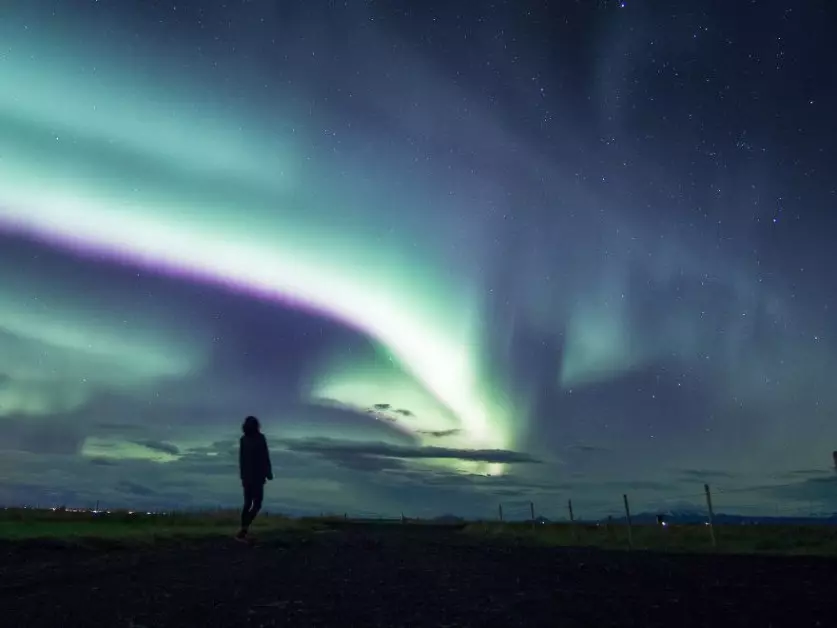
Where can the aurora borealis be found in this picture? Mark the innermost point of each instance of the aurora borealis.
(449, 255)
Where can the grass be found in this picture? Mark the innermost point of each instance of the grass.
(134, 528)
(732, 539)
(123, 528)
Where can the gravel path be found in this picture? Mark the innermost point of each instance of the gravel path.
(393, 576)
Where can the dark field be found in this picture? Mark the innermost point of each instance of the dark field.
(336, 574)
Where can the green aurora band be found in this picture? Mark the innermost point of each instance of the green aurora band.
(97, 164)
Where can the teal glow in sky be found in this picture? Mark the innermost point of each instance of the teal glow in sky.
(362, 241)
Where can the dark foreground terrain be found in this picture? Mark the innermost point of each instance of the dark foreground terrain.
(404, 576)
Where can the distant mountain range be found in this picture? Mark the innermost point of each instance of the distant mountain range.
(686, 517)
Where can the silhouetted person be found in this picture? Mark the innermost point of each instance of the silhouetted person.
(255, 469)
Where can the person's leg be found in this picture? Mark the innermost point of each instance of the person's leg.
(245, 511)
(257, 495)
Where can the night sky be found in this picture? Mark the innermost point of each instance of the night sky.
(450, 253)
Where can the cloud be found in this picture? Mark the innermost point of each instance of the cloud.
(822, 491)
(327, 417)
(330, 447)
(705, 474)
(383, 408)
(103, 462)
(224, 447)
(638, 485)
(127, 486)
(167, 448)
(117, 427)
(362, 462)
(440, 433)
(39, 436)
(808, 473)
(208, 464)
(478, 482)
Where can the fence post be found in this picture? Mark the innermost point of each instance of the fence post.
(500, 509)
(711, 515)
(532, 511)
(572, 519)
(628, 519)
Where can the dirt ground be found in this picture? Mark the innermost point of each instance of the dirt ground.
(404, 576)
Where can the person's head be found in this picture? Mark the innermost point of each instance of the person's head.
(250, 426)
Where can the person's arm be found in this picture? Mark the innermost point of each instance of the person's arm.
(268, 468)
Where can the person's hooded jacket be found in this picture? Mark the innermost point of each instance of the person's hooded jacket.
(253, 455)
